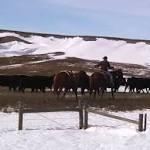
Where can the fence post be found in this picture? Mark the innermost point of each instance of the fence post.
(80, 114)
(140, 122)
(145, 122)
(20, 116)
(85, 113)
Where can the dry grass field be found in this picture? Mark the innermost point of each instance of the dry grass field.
(122, 102)
(46, 65)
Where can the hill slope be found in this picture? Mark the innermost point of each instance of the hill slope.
(27, 48)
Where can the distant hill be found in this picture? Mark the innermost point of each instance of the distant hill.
(42, 53)
(85, 37)
(12, 38)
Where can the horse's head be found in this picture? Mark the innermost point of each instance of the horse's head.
(72, 77)
(82, 78)
(118, 75)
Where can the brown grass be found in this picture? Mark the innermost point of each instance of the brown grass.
(54, 66)
(122, 102)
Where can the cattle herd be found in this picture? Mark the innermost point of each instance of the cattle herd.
(137, 84)
(22, 82)
(69, 80)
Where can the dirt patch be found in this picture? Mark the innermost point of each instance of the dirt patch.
(11, 39)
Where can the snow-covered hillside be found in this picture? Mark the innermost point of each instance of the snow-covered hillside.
(116, 50)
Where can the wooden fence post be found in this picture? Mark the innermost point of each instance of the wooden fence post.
(145, 122)
(20, 116)
(140, 122)
(80, 115)
(85, 114)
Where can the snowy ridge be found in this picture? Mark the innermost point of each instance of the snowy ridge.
(117, 51)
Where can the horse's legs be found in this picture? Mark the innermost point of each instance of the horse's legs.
(95, 93)
(102, 90)
(66, 90)
(57, 91)
(125, 88)
(90, 92)
(98, 91)
(75, 91)
(112, 93)
(82, 91)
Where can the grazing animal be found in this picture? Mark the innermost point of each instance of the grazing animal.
(65, 80)
(36, 82)
(130, 83)
(82, 80)
(117, 79)
(10, 81)
(136, 84)
(98, 82)
(21, 82)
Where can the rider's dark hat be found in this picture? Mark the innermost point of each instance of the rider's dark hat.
(105, 57)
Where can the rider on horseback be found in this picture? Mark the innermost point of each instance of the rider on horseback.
(105, 67)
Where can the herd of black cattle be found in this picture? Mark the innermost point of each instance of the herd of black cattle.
(137, 84)
(22, 82)
(36, 82)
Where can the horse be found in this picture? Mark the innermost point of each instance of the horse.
(117, 76)
(65, 80)
(98, 82)
(82, 81)
(101, 81)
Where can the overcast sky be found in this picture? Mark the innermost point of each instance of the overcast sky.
(119, 18)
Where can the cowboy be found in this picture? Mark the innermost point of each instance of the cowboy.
(105, 67)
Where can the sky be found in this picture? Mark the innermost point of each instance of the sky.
(118, 18)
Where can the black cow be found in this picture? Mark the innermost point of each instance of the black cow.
(36, 82)
(136, 84)
(11, 81)
(4, 80)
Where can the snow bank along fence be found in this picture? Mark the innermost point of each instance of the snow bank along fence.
(22, 110)
(141, 122)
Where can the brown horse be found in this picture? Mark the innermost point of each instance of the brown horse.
(65, 80)
(98, 82)
(101, 81)
(82, 81)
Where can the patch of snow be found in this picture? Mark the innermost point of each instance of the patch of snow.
(117, 51)
(60, 131)
(10, 66)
